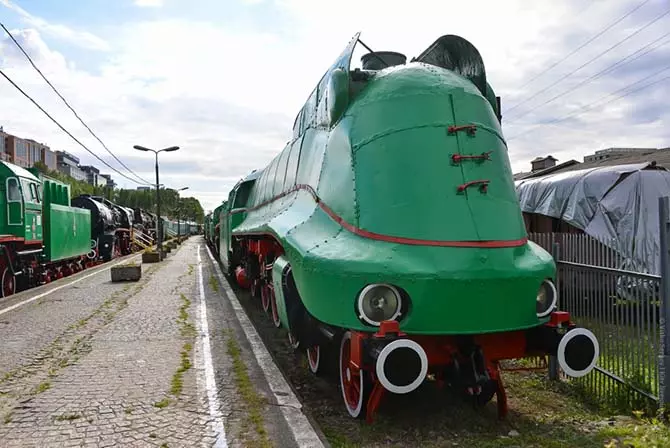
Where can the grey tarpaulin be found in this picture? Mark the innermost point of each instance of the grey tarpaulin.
(618, 205)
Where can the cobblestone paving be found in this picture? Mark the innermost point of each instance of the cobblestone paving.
(51, 315)
(111, 377)
(108, 364)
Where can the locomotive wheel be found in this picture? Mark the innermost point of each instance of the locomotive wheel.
(265, 298)
(255, 288)
(8, 283)
(275, 314)
(355, 382)
(293, 341)
(314, 359)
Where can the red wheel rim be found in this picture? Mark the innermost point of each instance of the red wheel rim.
(265, 299)
(314, 358)
(8, 283)
(275, 313)
(351, 379)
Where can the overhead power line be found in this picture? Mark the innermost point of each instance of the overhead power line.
(591, 105)
(602, 72)
(598, 56)
(68, 105)
(585, 43)
(62, 128)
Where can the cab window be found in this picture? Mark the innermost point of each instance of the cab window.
(29, 192)
(37, 191)
(13, 191)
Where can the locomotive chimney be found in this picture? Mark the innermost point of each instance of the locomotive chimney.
(379, 60)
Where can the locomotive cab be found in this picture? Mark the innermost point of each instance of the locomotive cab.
(22, 197)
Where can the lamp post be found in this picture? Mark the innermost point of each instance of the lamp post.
(179, 212)
(159, 227)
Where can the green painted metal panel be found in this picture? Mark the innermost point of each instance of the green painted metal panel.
(336, 182)
(311, 157)
(67, 232)
(33, 225)
(66, 229)
(292, 166)
(444, 284)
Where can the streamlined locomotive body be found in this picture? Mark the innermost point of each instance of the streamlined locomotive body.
(387, 235)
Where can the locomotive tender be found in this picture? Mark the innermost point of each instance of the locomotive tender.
(387, 234)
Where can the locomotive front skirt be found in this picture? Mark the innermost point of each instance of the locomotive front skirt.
(387, 234)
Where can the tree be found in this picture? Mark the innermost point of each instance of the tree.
(191, 209)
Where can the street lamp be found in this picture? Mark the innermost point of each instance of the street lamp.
(159, 227)
(179, 212)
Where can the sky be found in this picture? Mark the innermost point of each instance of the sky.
(224, 79)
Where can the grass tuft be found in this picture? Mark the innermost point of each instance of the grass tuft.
(248, 393)
(67, 417)
(187, 330)
(213, 283)
(43, 387)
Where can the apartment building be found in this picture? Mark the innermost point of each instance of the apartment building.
(17, 151)
(25, 152)
(68, 164)
(3, 151)
(108, 179)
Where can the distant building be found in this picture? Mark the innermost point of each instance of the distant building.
(660, 157)
(541, 166)
(68, 164)
(36, 151)
(93, 176)
(49, 158)
(144, 188)
(617, 152)
(541, 163)
(39, 152)
(67, 158)
(3, 146)
(17, 150)
(108, 179)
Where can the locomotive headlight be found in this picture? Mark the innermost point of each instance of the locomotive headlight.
(379, 302)
(546, 299)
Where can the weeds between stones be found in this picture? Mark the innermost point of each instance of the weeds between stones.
(248, 393)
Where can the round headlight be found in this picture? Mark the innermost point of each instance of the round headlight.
(379, 302)
(546, 299)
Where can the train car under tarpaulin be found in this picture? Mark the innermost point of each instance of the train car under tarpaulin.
(617, 205)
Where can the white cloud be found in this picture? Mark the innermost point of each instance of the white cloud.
(149, 3)
(228, 96)
(80, 38)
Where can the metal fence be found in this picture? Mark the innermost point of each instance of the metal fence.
(623, 310)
